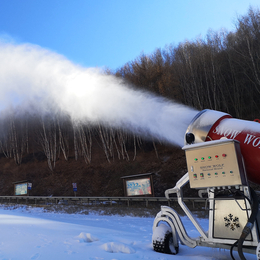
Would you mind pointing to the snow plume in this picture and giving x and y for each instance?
(38, 82)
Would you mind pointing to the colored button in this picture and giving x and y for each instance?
(195, 175)
(201, 175)
(224, 155)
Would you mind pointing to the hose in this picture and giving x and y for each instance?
(231, 250)
(249, 224)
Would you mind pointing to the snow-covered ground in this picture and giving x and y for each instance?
(31, 233)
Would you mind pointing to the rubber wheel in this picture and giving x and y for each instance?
(165, 245)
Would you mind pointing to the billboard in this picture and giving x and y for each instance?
(20, 189)
(138, 187)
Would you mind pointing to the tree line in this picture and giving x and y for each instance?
(220, 72)
(57, 136)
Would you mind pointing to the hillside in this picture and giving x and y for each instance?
(99, 178)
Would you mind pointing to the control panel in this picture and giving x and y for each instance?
(215, 164)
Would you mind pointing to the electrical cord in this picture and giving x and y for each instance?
(231, 250)
(254, 206)
(237, 194)
(239, 243)
(249, 225)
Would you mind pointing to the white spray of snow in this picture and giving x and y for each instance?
(38, 81)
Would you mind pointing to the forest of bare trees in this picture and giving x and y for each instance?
(220, 72)
(56, 136)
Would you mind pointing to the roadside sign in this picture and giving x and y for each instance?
(74, 185)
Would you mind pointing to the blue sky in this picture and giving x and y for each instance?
(110, 33)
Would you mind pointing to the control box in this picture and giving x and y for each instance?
(215, 164)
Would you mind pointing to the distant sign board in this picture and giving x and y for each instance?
(20, 189)
(29, 186)
(74, 185)
(138, 185)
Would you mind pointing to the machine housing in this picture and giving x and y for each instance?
(218, 158)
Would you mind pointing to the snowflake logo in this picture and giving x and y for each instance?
(231, 222)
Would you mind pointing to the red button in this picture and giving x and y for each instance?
(216, 156)
(224, 155)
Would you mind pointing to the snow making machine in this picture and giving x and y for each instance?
(222, 154)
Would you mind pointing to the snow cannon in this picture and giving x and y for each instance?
(222, 154)
(209, 125)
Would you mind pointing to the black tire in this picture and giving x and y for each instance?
(165, 245)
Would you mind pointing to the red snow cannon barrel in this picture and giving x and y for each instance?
(210, 125)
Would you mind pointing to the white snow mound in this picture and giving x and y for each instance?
(113, 247)
(87, 237)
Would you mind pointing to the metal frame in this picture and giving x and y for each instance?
(171, 217)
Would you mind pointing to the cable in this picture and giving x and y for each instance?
(249, 224)
(231, 250)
